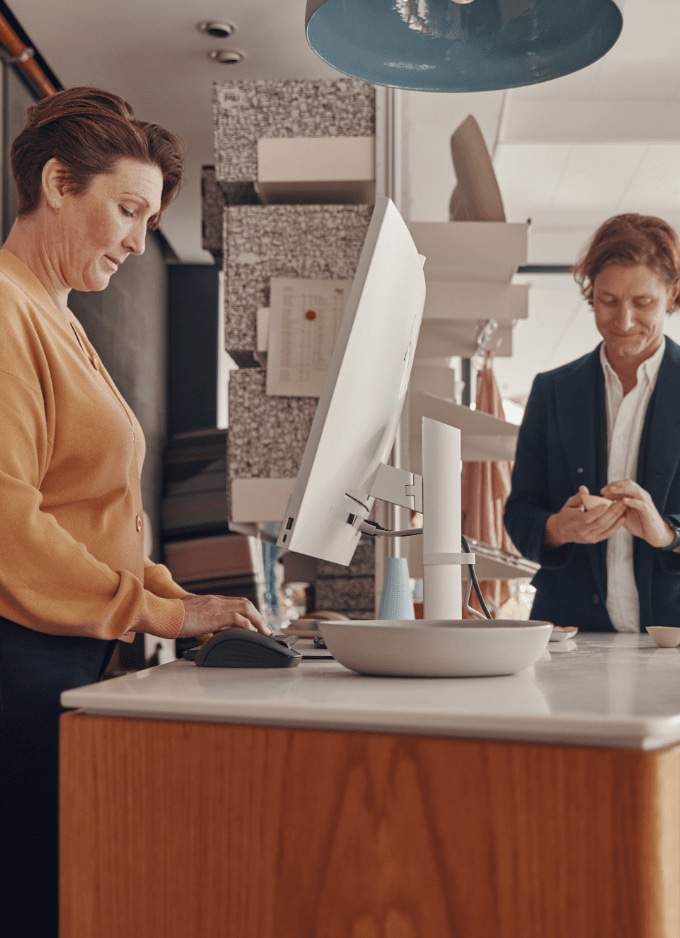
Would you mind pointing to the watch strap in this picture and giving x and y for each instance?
(675, 543)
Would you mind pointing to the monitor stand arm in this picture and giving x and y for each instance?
(399, 487)
(437, 495)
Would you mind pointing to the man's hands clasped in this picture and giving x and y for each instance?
(630, 507)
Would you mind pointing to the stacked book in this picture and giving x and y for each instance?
(227, 564)
(201, 552)
(195, 485)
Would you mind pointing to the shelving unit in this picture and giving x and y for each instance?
(295, 165)
(298, 164)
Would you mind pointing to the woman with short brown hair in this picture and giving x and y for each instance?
(92, 180)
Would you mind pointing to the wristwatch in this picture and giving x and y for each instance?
(675, 526)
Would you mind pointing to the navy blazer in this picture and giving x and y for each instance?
(562, 444)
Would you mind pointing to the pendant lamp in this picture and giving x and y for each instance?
(461, 45)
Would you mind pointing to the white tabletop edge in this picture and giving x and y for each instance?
(539, 705)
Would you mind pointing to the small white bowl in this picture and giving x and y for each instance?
(665, 636)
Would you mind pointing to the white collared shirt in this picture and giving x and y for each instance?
(625, 420)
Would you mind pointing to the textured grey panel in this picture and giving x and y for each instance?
(267, 435)
(244, 111)
(265, 241)
(212, 204)
(363, 562)
(213, 199)
(349, 590)
(348, 595)
(240, 193)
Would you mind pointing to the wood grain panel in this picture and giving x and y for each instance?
(175, 830)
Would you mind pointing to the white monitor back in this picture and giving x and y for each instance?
(360, 406)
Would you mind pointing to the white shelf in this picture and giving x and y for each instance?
(442, 338)
(484, 438)
(448, 300)
(471, 250)
(316, 170)
(258, 500)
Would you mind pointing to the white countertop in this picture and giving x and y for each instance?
(599, 689)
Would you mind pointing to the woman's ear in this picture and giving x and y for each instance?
(54, 183)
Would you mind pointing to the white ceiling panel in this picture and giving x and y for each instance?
(595, 176)
(646, 51)
(529, 177)
(657, 182)
(560, 328)
(580, 84)
(649, 31)
(646, 79)
(590, 120)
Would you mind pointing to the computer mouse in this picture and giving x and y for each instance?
(241, 648)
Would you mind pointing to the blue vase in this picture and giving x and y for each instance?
(396, 601)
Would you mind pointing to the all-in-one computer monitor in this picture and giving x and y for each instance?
(345, 464)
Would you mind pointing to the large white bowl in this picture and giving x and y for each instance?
(437, 648)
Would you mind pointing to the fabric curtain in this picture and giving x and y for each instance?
(485, 487)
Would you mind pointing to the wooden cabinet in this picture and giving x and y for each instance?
(176, 829)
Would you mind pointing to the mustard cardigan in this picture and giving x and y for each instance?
(71, 521)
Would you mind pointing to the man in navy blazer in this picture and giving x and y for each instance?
(617, 405)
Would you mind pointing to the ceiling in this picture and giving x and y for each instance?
(568, 153)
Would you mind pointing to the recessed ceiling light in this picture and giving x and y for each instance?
(217, 29)
(227, 56)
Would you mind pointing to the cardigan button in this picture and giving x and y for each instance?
(139, 523)
(596, 599)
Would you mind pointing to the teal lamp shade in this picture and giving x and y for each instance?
(451, 45)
